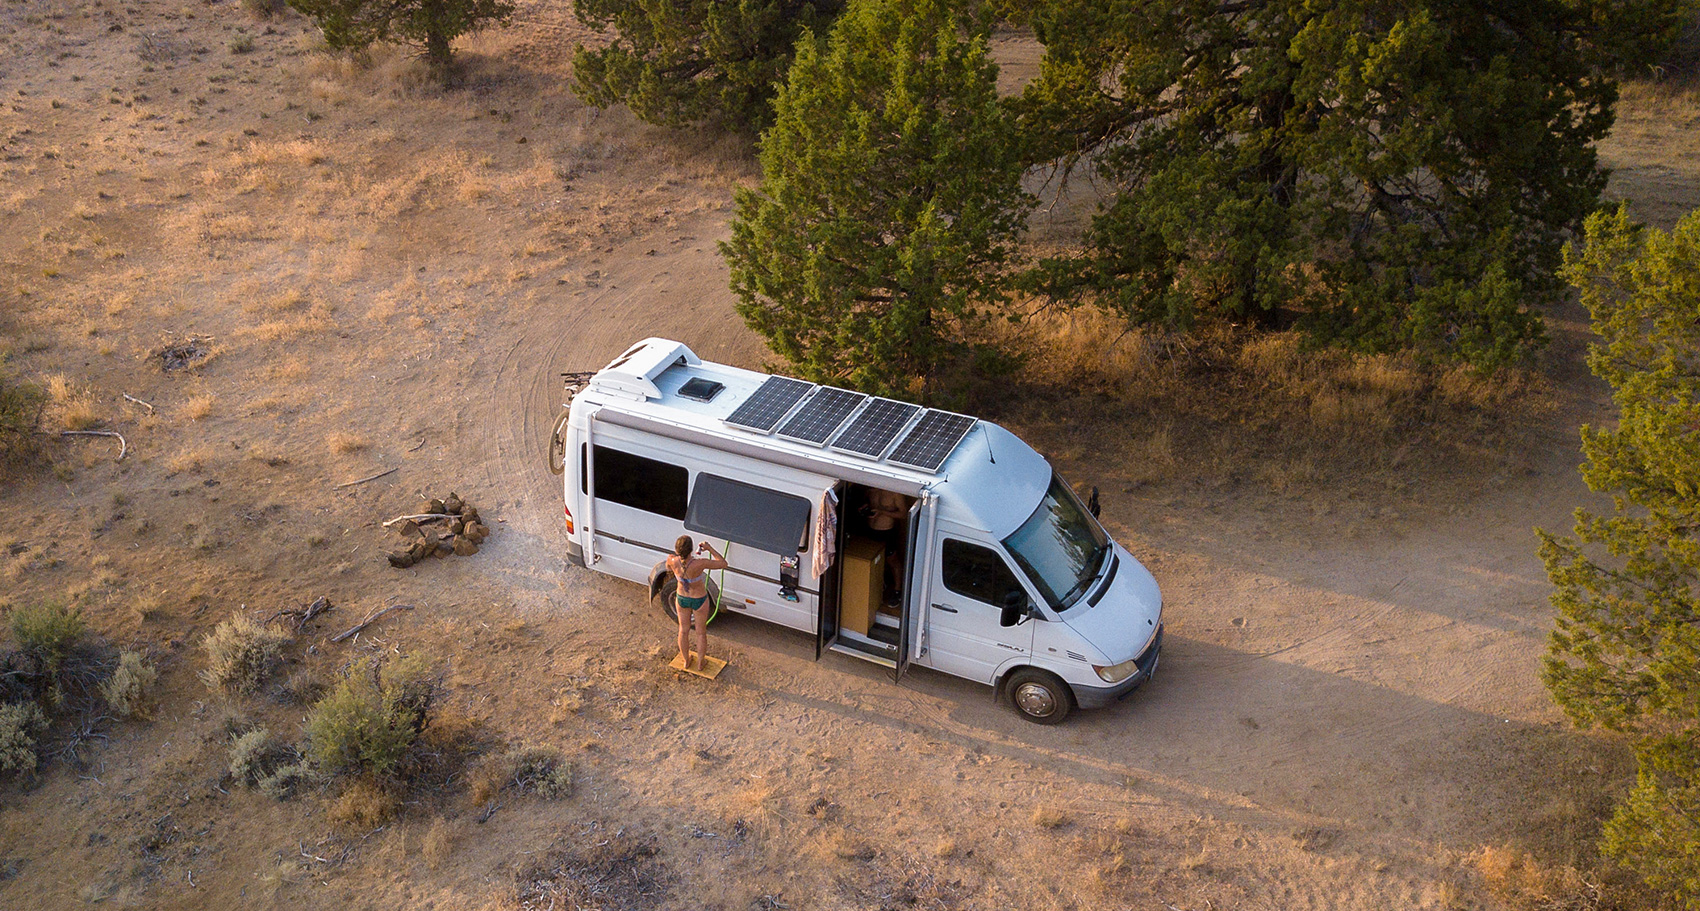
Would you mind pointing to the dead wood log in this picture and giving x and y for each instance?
(370, 619)
(367, 478)
(420, 517)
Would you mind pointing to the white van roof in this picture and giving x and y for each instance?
(986, 477)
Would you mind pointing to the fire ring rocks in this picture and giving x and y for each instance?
(442, 527)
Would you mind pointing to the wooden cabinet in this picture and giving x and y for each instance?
(862, 585)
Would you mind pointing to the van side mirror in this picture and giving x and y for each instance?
(1014, 609)
(1092, 503)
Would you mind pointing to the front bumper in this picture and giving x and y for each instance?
(1091, 697)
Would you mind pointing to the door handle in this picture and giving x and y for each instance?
(948, 610)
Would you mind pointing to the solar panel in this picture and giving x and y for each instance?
(763, 409)
(821, 414)
(930, 443)
(874, 429)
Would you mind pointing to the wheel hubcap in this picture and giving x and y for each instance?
(1035, 700)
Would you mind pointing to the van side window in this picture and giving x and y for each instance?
(646, 484)
(977, 572)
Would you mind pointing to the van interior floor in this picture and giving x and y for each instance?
(881, 644)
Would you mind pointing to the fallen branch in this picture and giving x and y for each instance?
(368, 478)
(318, 608)
(370, 619)
(423, 517)
(123, 447)
(130, 398)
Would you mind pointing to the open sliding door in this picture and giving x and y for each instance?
(914, 577)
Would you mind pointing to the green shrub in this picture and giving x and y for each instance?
(20, 725)
(46, 633)
(264, 9)
(20, 409)
(241, 654)
(543, 772)
(371, 717)
(126, 690)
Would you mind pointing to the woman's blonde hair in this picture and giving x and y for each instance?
(683, 546)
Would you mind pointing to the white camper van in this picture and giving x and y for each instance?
(995, 571)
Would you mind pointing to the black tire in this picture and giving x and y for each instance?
(666, 595)
(1039, 697)
(558, 444)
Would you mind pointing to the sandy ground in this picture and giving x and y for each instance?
(386, 276)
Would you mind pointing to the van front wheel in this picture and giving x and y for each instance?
(1040, 697)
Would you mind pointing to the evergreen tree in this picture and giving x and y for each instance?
(430, 24)
(1381, 173)
(890, 201)
(1626, 651)
(677, 62)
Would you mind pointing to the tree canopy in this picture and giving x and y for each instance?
(1626, 651)
(890, 200)
(430, 24)
(1379, 173)
(676, 62)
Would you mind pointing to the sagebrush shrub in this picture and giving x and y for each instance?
(47, 633)
(126, 690)
(287, 781)
(20, 724)
(371, 717)
(241, 654)
(256, 756)
(20, 411)
(543, 772)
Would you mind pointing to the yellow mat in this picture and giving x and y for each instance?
(711, 666)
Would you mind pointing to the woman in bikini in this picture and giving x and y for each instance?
(692, 574)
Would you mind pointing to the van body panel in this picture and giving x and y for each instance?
(1125, 618)
(995, 481)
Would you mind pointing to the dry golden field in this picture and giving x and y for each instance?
(358, 272)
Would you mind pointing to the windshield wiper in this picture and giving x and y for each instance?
(1087, 579)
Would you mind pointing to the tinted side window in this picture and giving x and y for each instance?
(977, 572)
(646, 484)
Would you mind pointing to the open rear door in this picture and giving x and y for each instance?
(914, 578)
(826, 625)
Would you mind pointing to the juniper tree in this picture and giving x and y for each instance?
(1379, 173)
(1626, 651)
(432, 25)
(677, 62)
(890, 200)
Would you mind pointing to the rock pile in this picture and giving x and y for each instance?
(442, 527)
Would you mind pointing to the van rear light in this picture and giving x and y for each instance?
(568, 510)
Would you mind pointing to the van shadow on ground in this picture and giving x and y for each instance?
(1256, 741)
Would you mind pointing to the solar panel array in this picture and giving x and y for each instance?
(764, 408)
(930, 443)
(822, 414)
(875, 427)
(812, 414)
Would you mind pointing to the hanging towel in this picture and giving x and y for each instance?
(826, 532)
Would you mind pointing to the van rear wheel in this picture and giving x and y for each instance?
(1040, 697)
(666, 598)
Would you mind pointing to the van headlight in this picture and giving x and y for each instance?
(1116, 673)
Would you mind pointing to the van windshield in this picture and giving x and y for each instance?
(1060, 547)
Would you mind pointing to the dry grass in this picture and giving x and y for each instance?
(1521, 882)
(438, 845)
(71, 406)
(1050, 818)
(364, 806)
(343, 443)
(1261, 408)
(198, 407)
